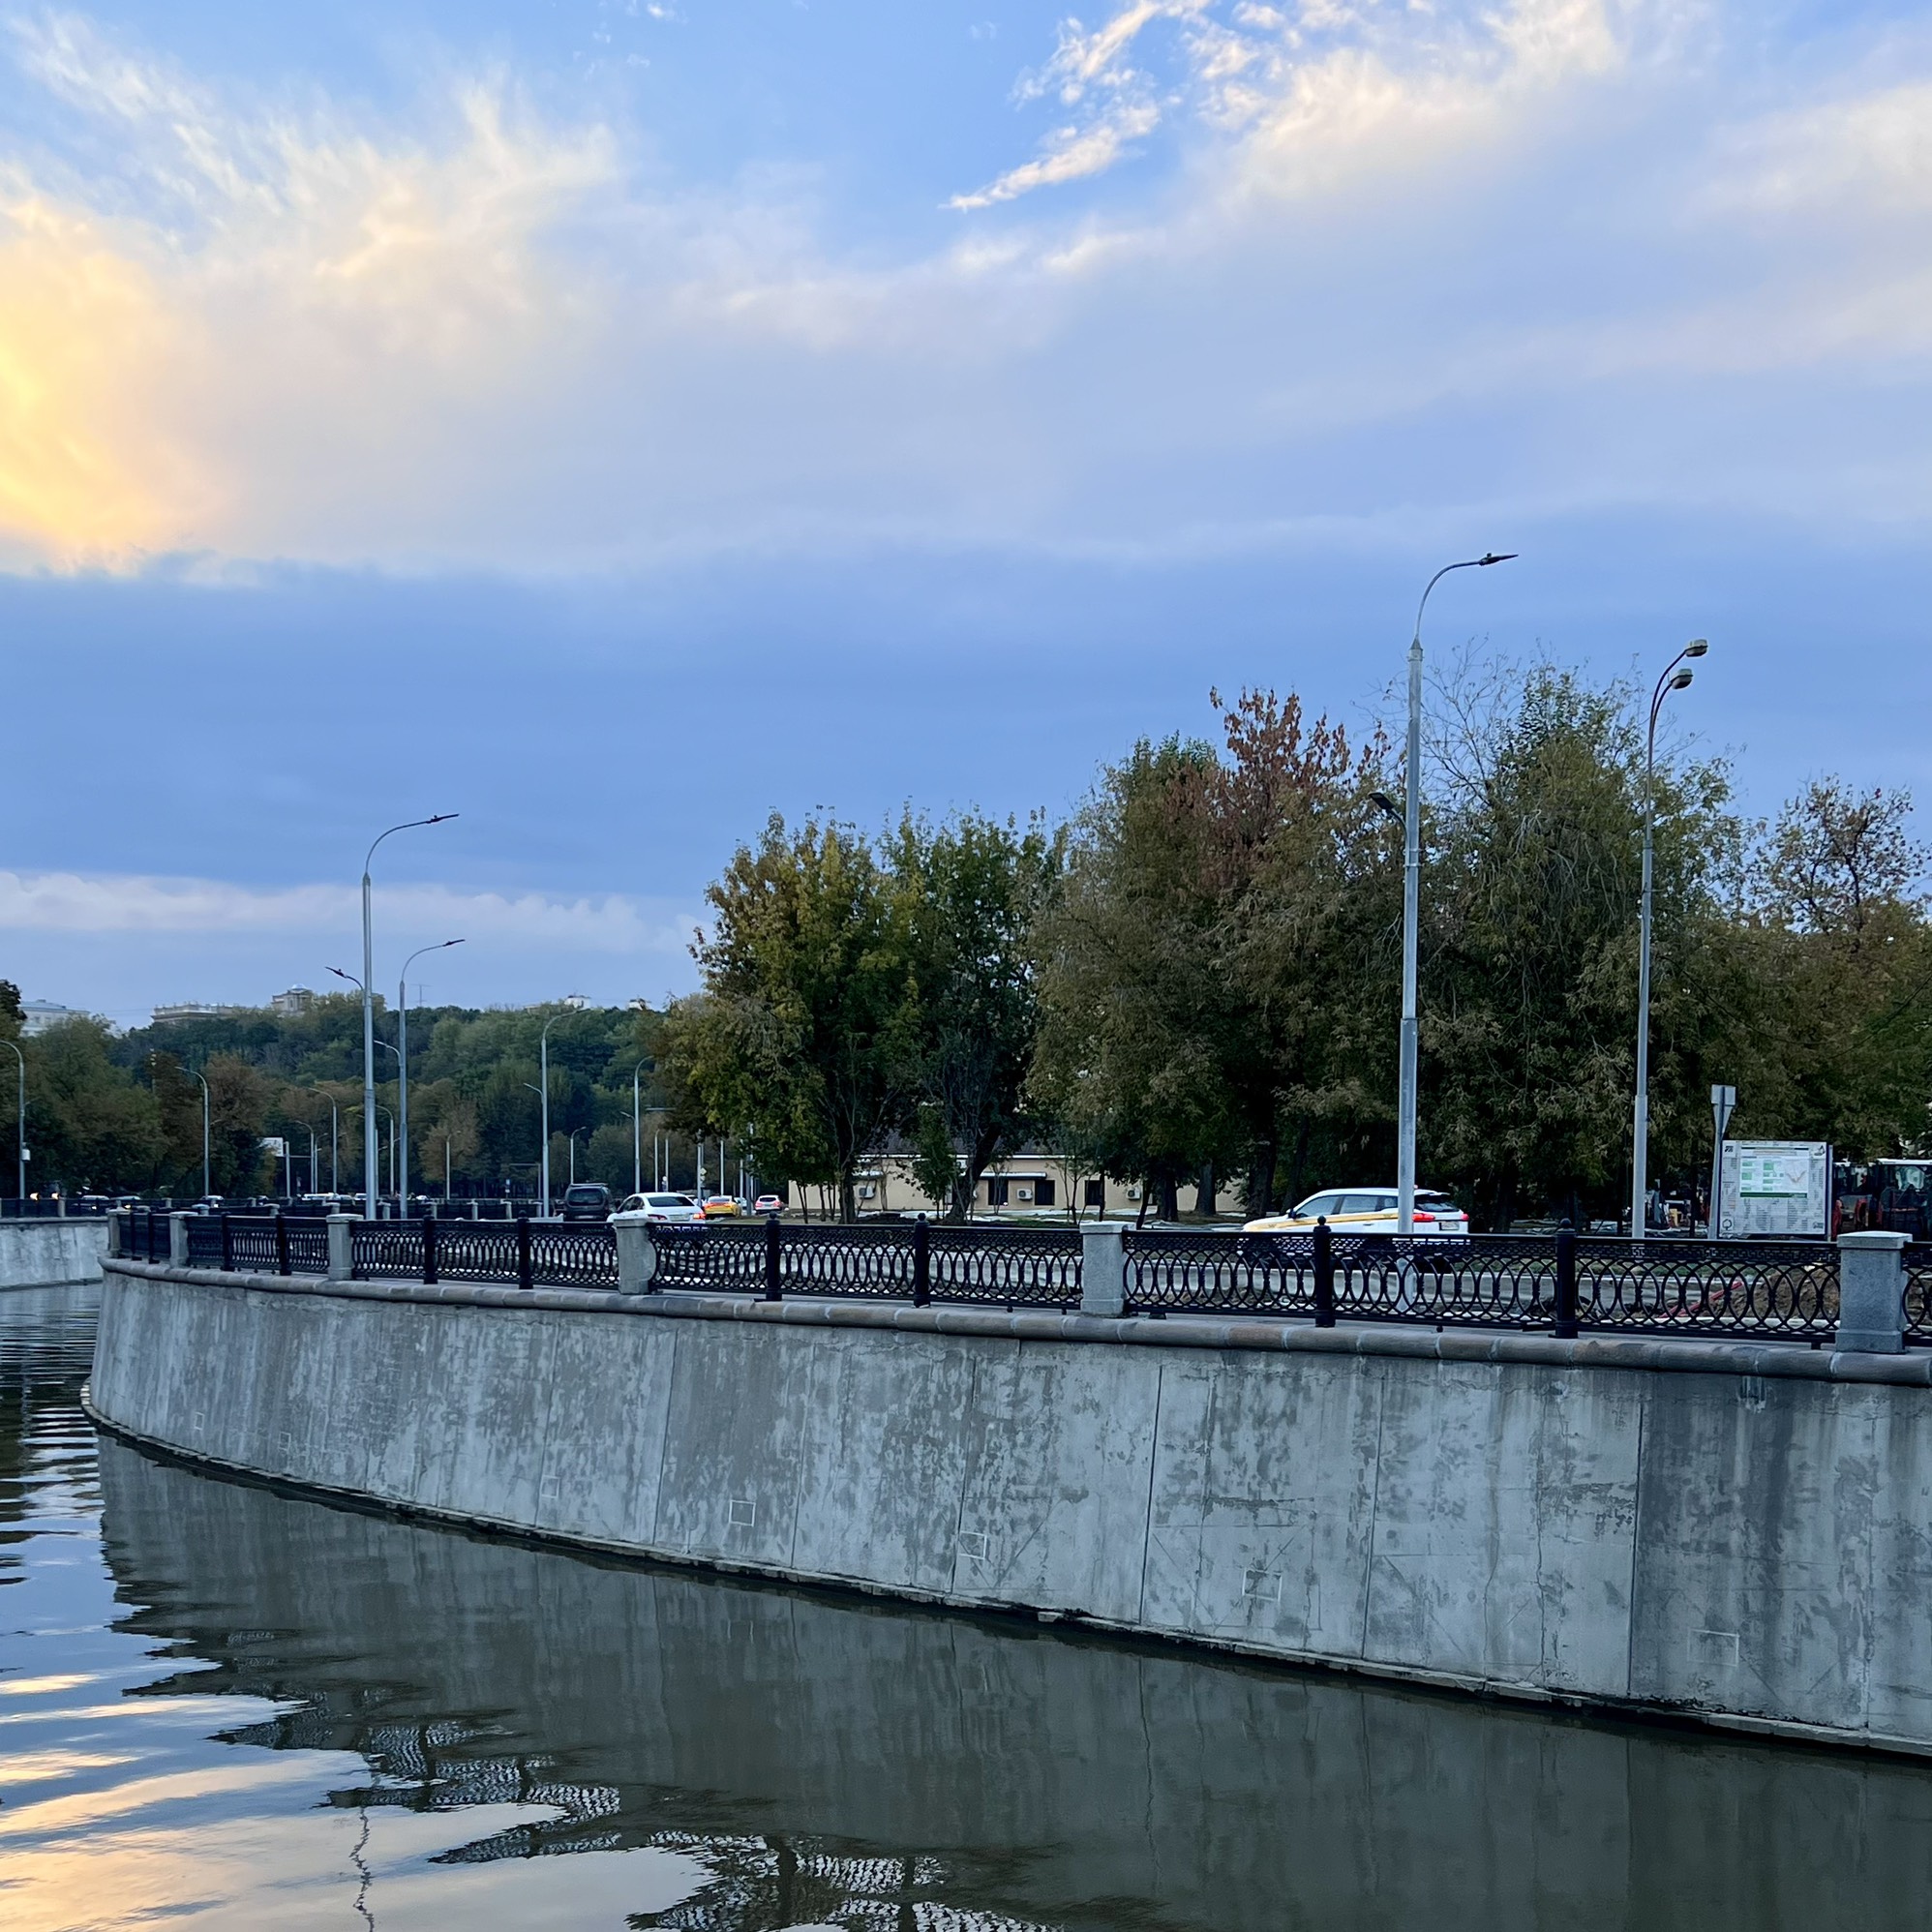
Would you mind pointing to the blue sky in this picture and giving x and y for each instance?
(616, 422)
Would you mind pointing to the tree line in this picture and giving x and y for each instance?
(1198, 977)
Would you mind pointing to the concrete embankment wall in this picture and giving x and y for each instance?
(51, 1254)
(1742, 1533)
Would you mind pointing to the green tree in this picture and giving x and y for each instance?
(804, 1042)
(971, 891)
(89, 1125)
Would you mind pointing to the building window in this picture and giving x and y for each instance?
(996, 1191)
(1097, 1193)
(1043, 1193)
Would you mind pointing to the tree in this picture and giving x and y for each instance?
(971, 891)
(804, 1042)
(1224, 929)
(90, 1126)
(1843, 972)
(1529, 990)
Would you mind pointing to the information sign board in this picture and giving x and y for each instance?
(1776, 1187)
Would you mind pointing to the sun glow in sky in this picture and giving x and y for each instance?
(869, 402)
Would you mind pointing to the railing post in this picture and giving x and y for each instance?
(922, 1262)
(774, 1280)
(178, 1239)
(1565, 1324)
(524, 1252)
(342, 1247)
(1103, 1269)
(637, 1252)
(281, 1242)
(1871, 1293)
(227, 1250)
(114, 1223)
(1324, 1273)
(429, 1250)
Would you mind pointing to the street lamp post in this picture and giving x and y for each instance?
(543, 1167)
(1673, 678)
(20, 1121)
(206, 1106)
(574, 1132)
(402, 1055)
(637, 1126)
(543, 1063)
(369, 1174)
(1411, 903)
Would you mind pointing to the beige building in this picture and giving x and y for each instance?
(1027, 1186)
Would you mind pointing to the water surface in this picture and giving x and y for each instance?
(221, 1707)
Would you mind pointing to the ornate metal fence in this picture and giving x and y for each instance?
(1560, 1282)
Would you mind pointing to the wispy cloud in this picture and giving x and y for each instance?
(69, 902)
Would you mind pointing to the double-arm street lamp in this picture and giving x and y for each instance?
(1676, 677)
(371, 1176)
(1411, 903)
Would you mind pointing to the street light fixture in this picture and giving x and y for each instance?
(543, 1167)
(402, 1055)
(1411, 902)
(637, 1126)
(207, 1188)
(543, 1074)
(1677, 678)
(20, 1120)
(368, 981)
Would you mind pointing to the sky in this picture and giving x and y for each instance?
(613, 422)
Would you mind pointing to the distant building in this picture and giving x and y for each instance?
(292, 1004)
(187, 1010)
(43, 1015)
(576, 1002)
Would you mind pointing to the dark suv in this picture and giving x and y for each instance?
(587, 1201)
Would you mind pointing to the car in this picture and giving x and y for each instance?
(721, 1207)
(768, 1205)
(1366, 1211)
(662, 1209)
(587, 1201)
(210, 1205)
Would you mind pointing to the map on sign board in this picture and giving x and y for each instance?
(1776, 1187)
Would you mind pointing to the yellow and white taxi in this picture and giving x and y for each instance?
(1366, 1211)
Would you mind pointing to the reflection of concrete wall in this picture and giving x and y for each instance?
(51, 1254)
(1058, 1780)
(1751, 1544)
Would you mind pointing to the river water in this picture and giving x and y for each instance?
(225, 1707)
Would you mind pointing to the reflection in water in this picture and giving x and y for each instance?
(501, 1735)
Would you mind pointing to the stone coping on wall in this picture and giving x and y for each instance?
(1285, 1333)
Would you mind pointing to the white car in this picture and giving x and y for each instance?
(1366, 1211)
(661, 1209)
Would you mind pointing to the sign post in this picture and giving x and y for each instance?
(1723, 1104)
(1775, 1186)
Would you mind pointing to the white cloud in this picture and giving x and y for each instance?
(470, 335)
(69, 902)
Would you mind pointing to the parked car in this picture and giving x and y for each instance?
(587, 1201)
(209, 1204)
(662, 1208)
(1366, 1211)
(721, 1207)
(768, 1205)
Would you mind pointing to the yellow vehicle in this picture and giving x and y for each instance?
(721, 1207)
(1365, 1211)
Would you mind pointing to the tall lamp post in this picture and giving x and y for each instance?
(370, 1173)
(636, 1126)
(1674, 678)
(543, 1165)
(543, 1074)
(206, 1108)
(20, 1121)
(1411, 902)
(403, 1056)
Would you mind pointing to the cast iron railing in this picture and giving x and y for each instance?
(1562, 1282)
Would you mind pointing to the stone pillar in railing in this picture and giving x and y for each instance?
(637, 1253)
(115, 1223)
(342, 1247)
(178, 1239)
(1103, 1269)
(1871, 1293)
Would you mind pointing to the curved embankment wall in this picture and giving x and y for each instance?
(51, 1254)
(1740, 1534)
